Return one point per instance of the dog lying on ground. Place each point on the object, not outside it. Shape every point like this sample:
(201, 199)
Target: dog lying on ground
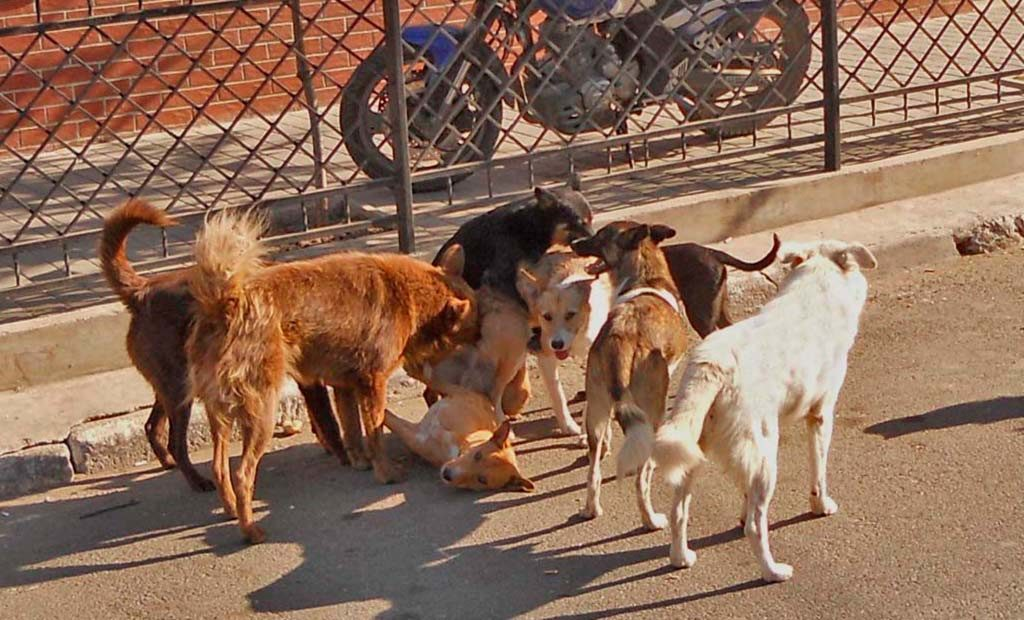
(161, 308)
(630, 363)
(494, 366)
(345, 320)
(787, 362)
(459, 436)
(700, 274)
(570, 306)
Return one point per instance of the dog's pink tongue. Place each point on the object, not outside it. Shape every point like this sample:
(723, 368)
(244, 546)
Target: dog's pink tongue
(562, 355)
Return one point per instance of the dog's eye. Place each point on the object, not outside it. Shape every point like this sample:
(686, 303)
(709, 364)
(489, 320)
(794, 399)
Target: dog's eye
(482, 480)
(569, 315)
(548, 317)
(478, 456)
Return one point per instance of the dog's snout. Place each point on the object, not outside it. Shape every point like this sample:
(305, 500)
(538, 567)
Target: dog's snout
(557, 344)
(446, 474)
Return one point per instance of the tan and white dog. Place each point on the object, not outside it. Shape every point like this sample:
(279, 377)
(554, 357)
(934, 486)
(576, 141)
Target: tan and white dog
(630, 363)
(788, 362)
(458, 434)
(569, 306)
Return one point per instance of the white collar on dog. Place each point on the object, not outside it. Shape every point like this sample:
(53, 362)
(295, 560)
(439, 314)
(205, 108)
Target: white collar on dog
(661, 293)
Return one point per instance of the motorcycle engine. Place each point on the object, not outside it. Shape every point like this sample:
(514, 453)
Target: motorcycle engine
(588, 88)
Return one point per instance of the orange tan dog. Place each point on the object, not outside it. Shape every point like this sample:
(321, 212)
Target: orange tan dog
(458, 434)
(346, 320)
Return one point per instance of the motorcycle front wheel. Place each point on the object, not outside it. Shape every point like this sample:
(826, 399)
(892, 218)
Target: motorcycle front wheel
(441, 133)
(768, 72)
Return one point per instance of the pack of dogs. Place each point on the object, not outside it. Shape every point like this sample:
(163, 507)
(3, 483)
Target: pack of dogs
(527, 279)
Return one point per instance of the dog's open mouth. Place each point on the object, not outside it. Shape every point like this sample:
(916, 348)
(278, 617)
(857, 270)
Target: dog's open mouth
(597, 267)
(562, 355)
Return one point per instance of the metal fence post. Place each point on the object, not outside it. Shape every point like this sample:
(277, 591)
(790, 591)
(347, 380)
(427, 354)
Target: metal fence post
(321, 217)
(830, 75)
(399, 126)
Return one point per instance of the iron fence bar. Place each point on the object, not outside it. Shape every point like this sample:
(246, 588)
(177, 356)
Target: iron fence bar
(319, 179)
(830, 79)
(399, 126)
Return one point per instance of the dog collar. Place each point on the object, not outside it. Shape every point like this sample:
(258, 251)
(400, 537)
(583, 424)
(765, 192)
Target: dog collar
(660, 293)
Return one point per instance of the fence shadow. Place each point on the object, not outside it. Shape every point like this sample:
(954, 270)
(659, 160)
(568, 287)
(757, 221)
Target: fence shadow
(977, 412)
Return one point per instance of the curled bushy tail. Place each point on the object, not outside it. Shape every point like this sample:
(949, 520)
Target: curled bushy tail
(676, 448)
(639, 440)
(228, 251)
(120, 274)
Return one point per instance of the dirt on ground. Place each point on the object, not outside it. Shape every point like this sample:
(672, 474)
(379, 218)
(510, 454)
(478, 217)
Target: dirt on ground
(926, 468)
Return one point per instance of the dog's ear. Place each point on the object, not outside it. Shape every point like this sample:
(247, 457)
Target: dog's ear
(631, 239)
(660, 232)
(500, 436)
(857, 254)
(519, 483)
(528, 285)
(584, 285)
(452, 261)
(456, 310)
(545, 197)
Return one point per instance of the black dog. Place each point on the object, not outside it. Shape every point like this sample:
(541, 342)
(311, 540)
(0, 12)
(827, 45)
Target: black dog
(497, 241)
(700, 275)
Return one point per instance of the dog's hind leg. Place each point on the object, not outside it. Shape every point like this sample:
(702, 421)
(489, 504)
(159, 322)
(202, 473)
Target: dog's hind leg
(598, 433)
(652, 520)
(173, 391)
(257, 431)
(819, 428)
(156, 433)
(758, 468)
(220, 430)
(680, 555)
(372, 397)
(549, 373)
(322, 419)
(351, 426)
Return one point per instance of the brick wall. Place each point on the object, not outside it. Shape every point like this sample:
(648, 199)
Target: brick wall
(75, 81)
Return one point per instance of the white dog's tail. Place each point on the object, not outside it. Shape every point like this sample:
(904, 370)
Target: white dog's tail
(677, 449)
(639, 441)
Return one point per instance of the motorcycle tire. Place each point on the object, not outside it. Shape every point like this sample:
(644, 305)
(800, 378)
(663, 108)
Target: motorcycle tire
(355, 104)
(796, 47)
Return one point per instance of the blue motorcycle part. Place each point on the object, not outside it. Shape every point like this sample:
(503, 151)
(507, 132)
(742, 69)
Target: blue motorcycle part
(577, 9)
(442, 48)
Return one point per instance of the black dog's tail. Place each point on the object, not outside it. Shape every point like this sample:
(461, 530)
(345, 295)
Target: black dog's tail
(764, 263)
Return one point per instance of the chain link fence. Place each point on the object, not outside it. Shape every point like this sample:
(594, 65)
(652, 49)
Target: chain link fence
(293, 106)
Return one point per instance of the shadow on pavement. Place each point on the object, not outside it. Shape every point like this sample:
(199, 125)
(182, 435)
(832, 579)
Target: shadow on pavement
(977, 412)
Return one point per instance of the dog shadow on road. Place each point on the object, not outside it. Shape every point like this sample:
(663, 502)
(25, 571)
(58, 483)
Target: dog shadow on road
(977, 412)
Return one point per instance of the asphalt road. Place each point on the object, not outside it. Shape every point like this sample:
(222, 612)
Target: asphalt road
(926, 468)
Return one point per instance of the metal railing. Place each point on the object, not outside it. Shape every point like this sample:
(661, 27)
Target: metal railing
(294, 105)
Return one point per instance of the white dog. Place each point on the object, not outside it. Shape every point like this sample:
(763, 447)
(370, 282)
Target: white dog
(786, 362)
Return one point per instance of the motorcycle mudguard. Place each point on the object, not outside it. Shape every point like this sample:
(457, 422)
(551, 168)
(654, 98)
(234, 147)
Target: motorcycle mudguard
(442, 50)
(442, 47)
(690, 23)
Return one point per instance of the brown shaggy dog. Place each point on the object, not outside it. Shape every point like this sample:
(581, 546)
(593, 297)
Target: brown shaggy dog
(346, 320)
(161, 309)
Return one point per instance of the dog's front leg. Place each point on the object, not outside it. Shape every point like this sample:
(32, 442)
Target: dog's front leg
(351, 427)
(549, 372)
(372, 401)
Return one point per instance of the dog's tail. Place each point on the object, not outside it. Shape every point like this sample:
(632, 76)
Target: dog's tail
(228, 252)
(676, 447)
(764, 263)
(120, 275)
(635, 422)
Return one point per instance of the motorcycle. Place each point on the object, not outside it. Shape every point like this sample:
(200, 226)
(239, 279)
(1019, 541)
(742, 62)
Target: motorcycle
(593, 63)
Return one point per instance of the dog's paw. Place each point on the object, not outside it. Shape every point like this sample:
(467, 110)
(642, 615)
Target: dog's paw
(777, 573)
(570, 429)
(254, 535)
(824, 506)
(359, 461)
(202, 485)
(656, 521)
(591, 512)
(387, 472)
(682, 557)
